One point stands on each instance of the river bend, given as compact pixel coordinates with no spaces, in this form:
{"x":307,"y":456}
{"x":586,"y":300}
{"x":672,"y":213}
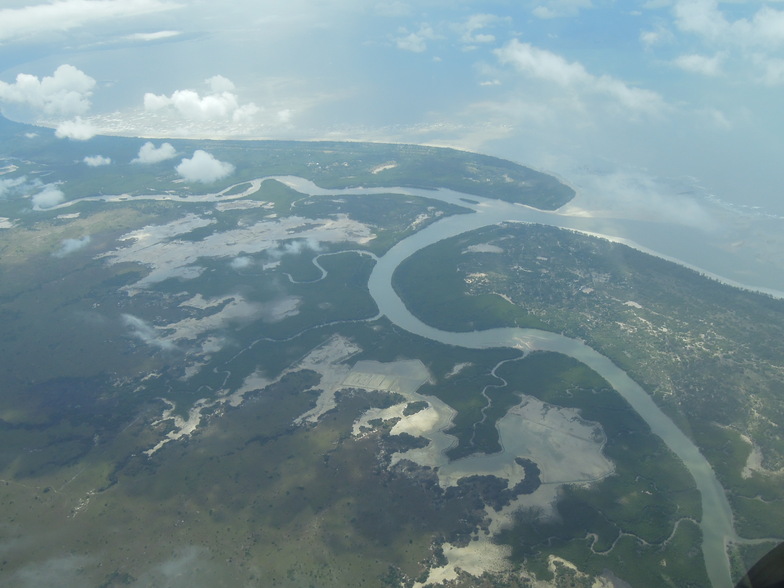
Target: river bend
{"x":717,"y":525}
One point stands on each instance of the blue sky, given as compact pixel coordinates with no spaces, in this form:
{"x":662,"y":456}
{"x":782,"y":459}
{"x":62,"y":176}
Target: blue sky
{"x":665,"y":108}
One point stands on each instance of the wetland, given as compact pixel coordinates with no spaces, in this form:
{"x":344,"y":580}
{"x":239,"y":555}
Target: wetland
{"x":242,"y":373}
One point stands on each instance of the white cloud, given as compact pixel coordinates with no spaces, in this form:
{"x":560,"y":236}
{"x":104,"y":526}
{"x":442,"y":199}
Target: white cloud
{"x":241,"y":262}
{"x":50,"y":196}
{"x":393,"y":9}
{"x":64,"y":15}
{"x":187,"y":567}
{"x":66,"y":571}
{"x":416,"y":42}
{"x":771,"y":70}
{"x":149,"y":153}
{"x":77,"y":129}
{"x":716,"y":118}
{"x":7,"y":185}
{"x":156,"y":36}
{"x":203,"y":167}
{"x":543,"y":64}
{"x":219,"y":84}
{"x":282,"y":308}
{"x":658,"y":35}
{"x":97,"y":160}
{"x":146,"y":332}
{"x":649,"y":38}
{"x":220,"y":104}
{"x":560,"y":8}
{"x":635,"y":195}
{"x":192,"y":106}
{"x":707,"y":66}
{"x":765,"y":28}
{"x":753,"y":42}
{"x":68,"y":246}
{"x":548,"y":66}
{"x":700,"y":16}
{"x":768,"y":26}
{"x":156,"y":101}
{"x":295,"y":247}
{"x":67,"y":91}
{"x":477,"y":22}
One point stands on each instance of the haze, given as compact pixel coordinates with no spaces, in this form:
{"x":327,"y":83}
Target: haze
{"x":659,"y":110}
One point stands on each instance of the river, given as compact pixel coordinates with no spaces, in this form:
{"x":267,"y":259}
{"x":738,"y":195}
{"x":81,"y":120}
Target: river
{"x":717,"y":525}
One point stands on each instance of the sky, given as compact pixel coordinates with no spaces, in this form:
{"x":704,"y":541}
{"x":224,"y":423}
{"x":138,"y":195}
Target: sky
{"x":662,"y":109}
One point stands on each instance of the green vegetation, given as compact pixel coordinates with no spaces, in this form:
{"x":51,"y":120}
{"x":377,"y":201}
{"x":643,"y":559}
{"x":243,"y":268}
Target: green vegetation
{"x":251,"y":496}
{"x":744,"y":556}
{"x":300,"y":504}
{"x":757,"y":498}
{"x":328,"y":164}
{"x":710,"y":354}
{"x":280,"y":195}
{"x":643,"y":507}
{"x":392,"y":216}
{"x":415,"y":407}
{"x":411,"y":165}
{"x":433,"y":286}
{"x":677,"y":562}
{"x":348,"y":165}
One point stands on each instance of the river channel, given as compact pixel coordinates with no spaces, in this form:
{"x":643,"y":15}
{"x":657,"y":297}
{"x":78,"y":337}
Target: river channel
{"x":717,"y":524}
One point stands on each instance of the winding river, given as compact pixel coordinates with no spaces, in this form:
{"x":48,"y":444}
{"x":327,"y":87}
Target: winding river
{"x":717,"y":525}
